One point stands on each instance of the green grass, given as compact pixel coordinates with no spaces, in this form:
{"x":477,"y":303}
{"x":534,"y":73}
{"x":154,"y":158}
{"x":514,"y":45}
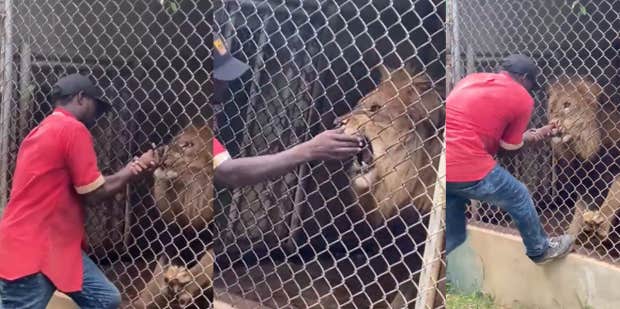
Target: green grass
{"x":471,"y":301}
{"x":479,"y":300}
{"x":476,"y":300}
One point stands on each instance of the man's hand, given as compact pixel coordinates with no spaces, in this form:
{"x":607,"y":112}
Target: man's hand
{"x":137,"y":168}
{"x":537,"y":135}
{"x":332,"y":145}
{"x":144,"y":164}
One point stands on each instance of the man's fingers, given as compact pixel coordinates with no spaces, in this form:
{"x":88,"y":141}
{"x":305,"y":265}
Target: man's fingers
{"x":134,"y":170}
{"x":346,"y":152}
{"x":141,"y":164}
{"x":352,"y":139}
{"x":338,"y":130}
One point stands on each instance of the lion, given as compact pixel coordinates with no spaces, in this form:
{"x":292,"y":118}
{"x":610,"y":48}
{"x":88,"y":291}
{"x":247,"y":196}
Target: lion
{"x":183,"y":192}
{"x":589,"y":128}
{"x":399,"y":123}
{"x":396,"y":168}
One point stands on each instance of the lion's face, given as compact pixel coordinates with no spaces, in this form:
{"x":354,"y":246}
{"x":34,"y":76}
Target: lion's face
{"x":573,"y":103}
{"x":189,"y":152}
{"x":570,"y":97}
{"x":387,"y":119}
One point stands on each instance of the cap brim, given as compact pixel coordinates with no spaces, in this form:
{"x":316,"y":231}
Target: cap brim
{"x":231,"y":70}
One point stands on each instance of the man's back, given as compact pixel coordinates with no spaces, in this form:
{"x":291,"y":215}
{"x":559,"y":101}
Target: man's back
{"x":483,"y":111}
{"x":55,"y":162}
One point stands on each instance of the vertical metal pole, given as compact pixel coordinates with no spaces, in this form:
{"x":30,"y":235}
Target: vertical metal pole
{"x":25,"y":91}
{"x":455,"y":46}
{"x":7,"y":97}
{"x":470,"y":64}
{"x":431,"y":261}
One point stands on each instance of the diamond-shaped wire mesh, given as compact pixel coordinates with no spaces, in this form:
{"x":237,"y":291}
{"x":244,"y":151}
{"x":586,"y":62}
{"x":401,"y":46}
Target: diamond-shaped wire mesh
{"x":573,"y":177}
{"x":153,"y":59}
{"x":319,"y":237}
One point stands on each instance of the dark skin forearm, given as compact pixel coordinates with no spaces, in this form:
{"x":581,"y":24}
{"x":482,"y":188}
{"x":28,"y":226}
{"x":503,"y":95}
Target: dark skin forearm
{"x":113,"y":185}
{"x":252,"y":170}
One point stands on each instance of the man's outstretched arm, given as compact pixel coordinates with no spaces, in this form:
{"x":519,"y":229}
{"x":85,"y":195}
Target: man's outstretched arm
{"x":329,"y":145}
{"x":116,"y":182}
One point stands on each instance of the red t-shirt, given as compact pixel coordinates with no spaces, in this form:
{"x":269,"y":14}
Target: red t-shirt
{"x":220,"y":154}
{"x":42,"y":229}
{"x":483,"y":112}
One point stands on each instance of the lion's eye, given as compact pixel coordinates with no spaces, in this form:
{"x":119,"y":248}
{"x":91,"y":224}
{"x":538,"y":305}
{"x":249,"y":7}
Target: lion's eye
{"x":423,"y":86}
{"x":375,"y":108}
{"x":566,"y":104}
{"x":187,"y":145}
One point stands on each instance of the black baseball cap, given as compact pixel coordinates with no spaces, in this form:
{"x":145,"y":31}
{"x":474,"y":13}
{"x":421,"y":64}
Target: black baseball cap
{"x":225,"y":66}
{"x":75,"y":83}
{"x":522,"y":65}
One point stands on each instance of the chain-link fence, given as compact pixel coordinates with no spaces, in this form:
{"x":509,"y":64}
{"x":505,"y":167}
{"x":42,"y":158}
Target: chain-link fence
{"x":321,"y":237}
{"x":576,"y":44}
{"x":152,"y":58}
{"x":327,"y":235}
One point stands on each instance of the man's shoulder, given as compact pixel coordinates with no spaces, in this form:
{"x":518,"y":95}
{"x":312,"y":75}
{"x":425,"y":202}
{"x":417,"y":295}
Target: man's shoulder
{"x":61,"y":127}
{"x":217,"y":147}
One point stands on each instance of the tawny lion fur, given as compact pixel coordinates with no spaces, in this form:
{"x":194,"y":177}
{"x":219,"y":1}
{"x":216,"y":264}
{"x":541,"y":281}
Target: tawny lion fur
{"x":183,"y":192}
{"x":588,"y":126}
{"x":400,"y":119}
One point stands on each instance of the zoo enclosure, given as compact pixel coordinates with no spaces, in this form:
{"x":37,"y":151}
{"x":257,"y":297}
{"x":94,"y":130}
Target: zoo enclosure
{"x":566,"y":38}
{"x":151,"y":60}
{"x":311,"y":62}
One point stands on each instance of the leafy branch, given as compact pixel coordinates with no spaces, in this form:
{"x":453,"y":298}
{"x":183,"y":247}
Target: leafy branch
{"x":581,"y":8}
{"x":171,"y":6}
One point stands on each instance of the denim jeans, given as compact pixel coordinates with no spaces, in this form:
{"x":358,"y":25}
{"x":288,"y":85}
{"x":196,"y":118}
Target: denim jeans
{"x":501,"y":189}
{"x":35,"y":291}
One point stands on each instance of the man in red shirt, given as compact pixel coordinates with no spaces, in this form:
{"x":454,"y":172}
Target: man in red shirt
{"x":56,"y":175}
{"x":486,"y":111}
{"x":328,"y":145}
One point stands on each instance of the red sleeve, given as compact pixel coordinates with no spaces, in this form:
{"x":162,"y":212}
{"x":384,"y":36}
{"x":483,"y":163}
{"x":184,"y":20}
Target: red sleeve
{"x":220,"y":154}
{"x":81,"y":160}
{"x":513,"y":134}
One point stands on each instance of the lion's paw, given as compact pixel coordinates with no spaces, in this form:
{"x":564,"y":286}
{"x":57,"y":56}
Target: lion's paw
{"x":596,"y":222}
{"x":176,"y":278}
{"x":185,"y":298}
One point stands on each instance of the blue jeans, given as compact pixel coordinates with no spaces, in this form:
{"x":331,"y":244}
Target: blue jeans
{"x":501,"y":189}
{"x":35,"y":291}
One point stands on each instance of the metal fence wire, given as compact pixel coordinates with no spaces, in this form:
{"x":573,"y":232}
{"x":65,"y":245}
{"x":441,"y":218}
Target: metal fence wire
{"x":322,"y":237}
{"x":328,"y":235}
{"x":573,"y":177}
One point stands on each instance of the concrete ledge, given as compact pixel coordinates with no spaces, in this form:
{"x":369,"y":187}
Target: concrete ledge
{"x":495,"y":263}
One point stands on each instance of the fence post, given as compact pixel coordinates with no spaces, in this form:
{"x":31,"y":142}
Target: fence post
{"x":431,"y":262}
{"x":7,"y":97}
{"x":25,"y":91}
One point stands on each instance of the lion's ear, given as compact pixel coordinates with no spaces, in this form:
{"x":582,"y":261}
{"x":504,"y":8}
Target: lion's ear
{"x":384,"y":72}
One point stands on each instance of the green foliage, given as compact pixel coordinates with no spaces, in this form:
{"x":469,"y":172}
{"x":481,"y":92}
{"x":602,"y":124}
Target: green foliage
{"x":581,"y":9}
{"x":171,"y":6}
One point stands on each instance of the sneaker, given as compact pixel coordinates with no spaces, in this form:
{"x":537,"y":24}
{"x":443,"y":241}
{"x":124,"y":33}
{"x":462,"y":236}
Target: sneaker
{"x":559,"y":247}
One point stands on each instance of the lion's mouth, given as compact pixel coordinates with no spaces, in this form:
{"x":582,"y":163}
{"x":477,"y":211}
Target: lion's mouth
{"x":165,"y":172}
{"x":363,"y":163}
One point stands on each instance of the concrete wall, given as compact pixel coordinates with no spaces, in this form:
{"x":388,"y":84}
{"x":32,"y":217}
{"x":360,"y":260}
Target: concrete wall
{"x":496,"y":264}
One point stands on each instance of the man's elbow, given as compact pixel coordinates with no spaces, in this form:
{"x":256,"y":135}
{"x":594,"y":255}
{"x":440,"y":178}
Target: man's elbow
{"x":95,"y":197}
